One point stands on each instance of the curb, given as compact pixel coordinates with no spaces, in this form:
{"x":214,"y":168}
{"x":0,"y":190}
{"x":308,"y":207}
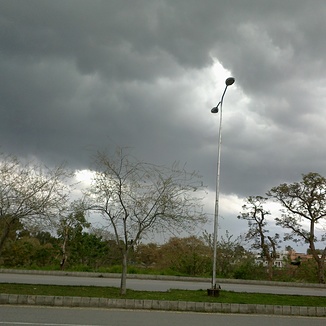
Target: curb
{"x":183,"y":306}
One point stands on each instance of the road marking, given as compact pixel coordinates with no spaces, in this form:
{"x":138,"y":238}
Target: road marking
{"x":43,"y":324}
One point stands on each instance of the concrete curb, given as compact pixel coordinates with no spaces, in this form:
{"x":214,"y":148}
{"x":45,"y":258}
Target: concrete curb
{"x":66,"y":301}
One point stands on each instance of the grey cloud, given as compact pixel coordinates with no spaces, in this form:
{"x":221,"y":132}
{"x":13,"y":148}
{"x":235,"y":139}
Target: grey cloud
{"x":78,"y":76}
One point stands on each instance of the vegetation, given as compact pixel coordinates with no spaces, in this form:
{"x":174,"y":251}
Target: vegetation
{"x":304,"y":201}
{"x":41,"y":227}
{"x":29,"y":194}
{"x":136,"y":198}
{"x":190,"y":256}
{"x":255,"y":214}
{"x":70,"y":227}
{"x":171,"y":295}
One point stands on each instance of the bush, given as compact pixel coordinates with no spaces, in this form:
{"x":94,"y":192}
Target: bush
{"x":249,"y":271}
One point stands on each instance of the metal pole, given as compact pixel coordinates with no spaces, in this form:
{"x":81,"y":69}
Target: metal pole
{"x":217,"y":194}
{"x":228,"y":82}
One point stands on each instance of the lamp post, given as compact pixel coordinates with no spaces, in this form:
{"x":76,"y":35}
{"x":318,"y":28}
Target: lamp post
{"x":228,"y":82}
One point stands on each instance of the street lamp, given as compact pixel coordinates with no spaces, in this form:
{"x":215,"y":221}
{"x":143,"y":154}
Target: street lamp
{"x":228,"y":82}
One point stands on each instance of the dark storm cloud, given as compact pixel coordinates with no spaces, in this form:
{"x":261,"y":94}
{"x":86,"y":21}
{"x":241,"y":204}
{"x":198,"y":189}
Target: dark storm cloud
{"x":81,"y":76}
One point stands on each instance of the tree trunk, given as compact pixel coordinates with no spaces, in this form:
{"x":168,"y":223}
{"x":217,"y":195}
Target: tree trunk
{"x":320,"y":261}
{"x":123,"y":286}
{"x":64,"y":249}
{"x":270,"y":269}
{"x":4,"y":236}
{"x":6,"y":230}
{"x":323,"y":266}
{"x":321,"y":271}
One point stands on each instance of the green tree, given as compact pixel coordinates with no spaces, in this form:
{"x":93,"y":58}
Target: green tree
{"x":258,"y":232}
{"x":136,"y":198}
{"x":114,"y":253}
{"x":45,"y":255}
{"x":304,"y":207}
{"x":23,"y":251}
{"x":26,"y":249}
{"x":45,"y":237}
{"x":69,"y":228}
{"x":89,"y":250}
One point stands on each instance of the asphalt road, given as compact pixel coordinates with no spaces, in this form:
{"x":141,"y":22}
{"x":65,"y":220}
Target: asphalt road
{"x":33,"y":315}
{"x":155,"y":285}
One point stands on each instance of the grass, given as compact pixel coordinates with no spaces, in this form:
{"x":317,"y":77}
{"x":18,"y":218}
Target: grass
{"x":172,"y":295}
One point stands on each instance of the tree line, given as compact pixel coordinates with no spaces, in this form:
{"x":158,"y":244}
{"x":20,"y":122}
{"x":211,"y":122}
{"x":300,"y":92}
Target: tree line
{"x":95,"y":251}
{"x":41,"y":225}
{"x":134,"y":198}
{"x":91,"y":251}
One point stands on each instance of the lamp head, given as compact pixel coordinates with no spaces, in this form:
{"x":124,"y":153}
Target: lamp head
{"x":229,"y":81}
{"x":215,"y":109}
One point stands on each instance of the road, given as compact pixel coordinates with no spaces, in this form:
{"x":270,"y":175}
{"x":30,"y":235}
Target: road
{"x":32,"y":315}
{"x":155,"y":285}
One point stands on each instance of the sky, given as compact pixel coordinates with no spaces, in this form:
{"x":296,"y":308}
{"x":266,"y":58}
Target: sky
{"x":79,"y":76}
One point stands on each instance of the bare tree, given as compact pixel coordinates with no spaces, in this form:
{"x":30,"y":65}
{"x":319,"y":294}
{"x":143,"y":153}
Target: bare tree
{"x":303,"y":202}
{"x":136,"y":198}
{"x":230,"y":252}
{"x":255,"y":214}
{"x":29,"y":193}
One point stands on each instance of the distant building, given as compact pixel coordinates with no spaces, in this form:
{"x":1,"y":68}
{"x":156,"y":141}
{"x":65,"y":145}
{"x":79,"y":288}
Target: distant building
{"x":280,"y":261}
{"x":298,"y":256}
{"x":284,"y":258}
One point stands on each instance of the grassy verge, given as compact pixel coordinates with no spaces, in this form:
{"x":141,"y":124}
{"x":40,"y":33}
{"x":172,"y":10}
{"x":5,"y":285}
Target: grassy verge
{"x":172,"y":295}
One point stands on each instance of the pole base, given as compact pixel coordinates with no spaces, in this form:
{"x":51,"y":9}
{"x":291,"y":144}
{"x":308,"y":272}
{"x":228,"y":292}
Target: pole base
{"x":213,"y":292}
